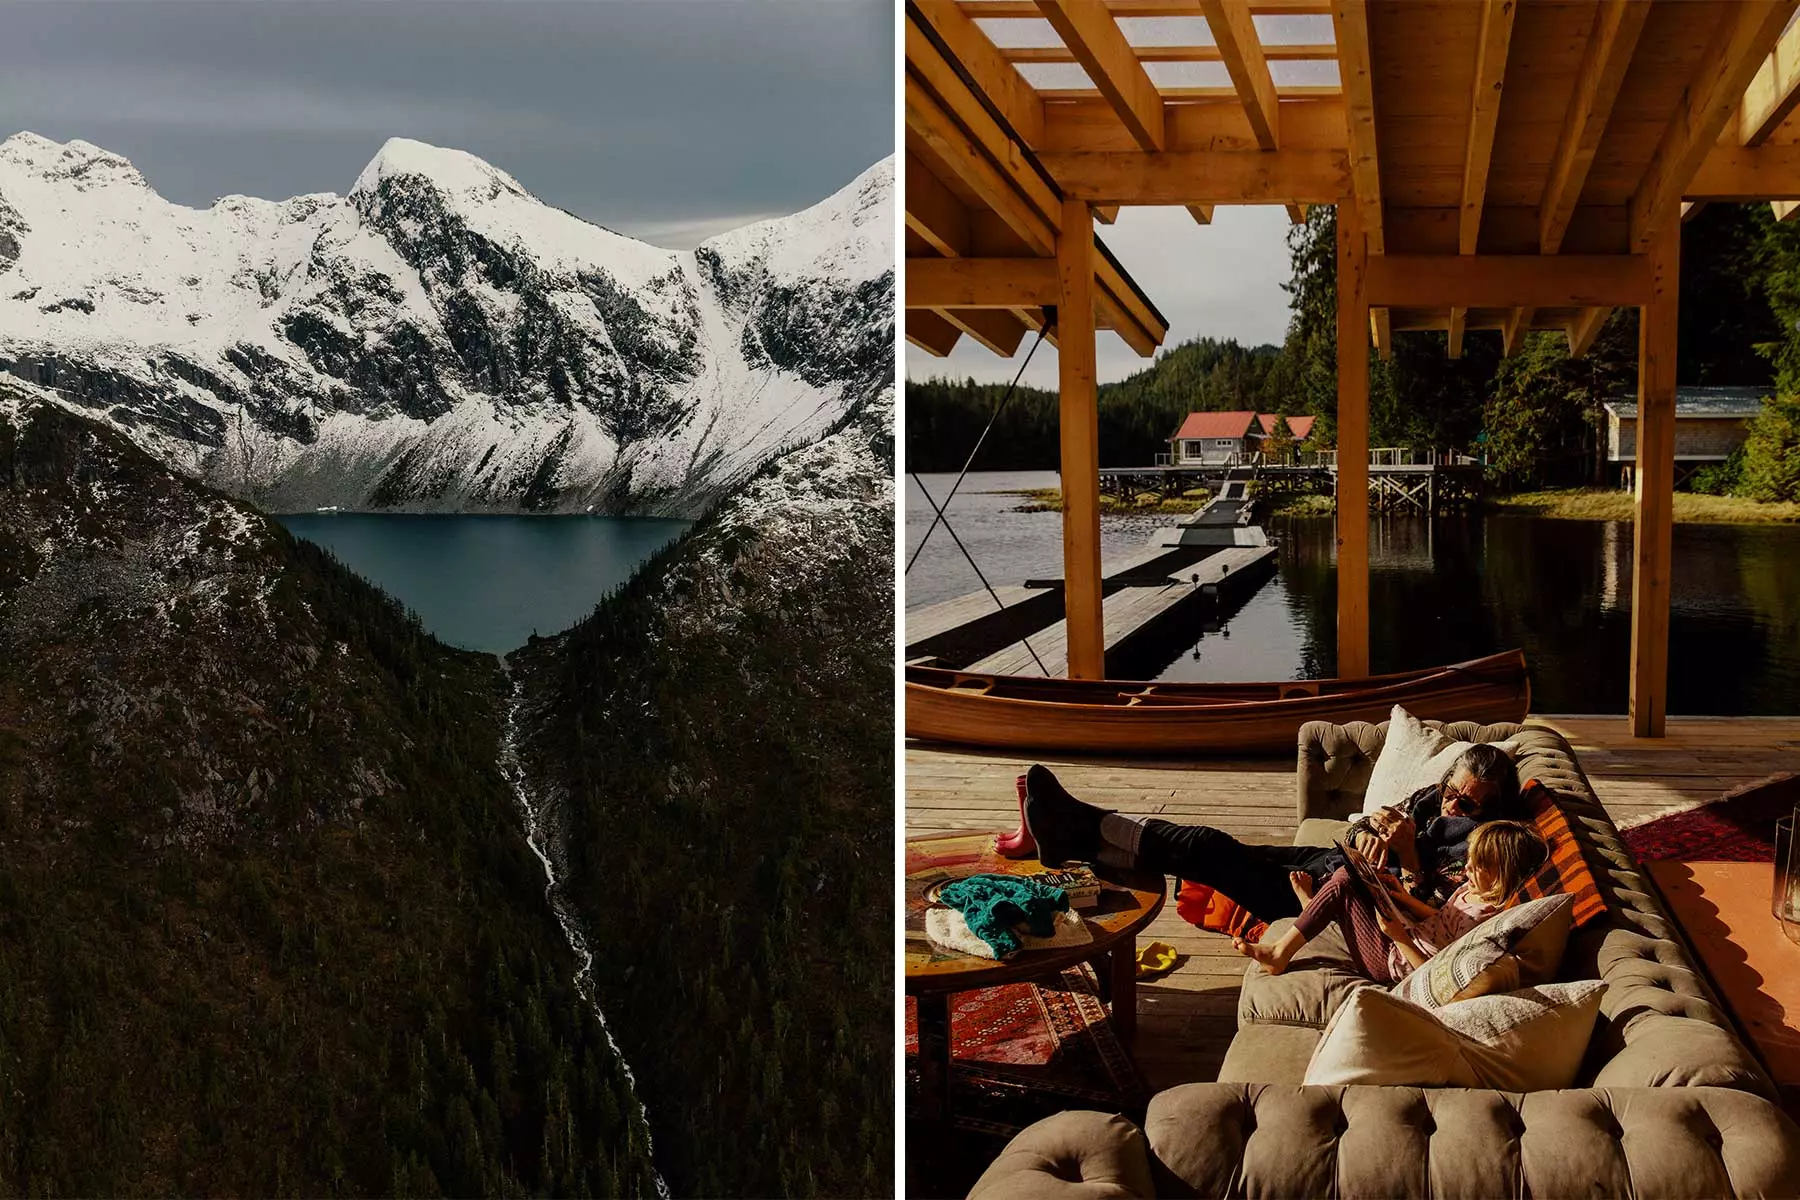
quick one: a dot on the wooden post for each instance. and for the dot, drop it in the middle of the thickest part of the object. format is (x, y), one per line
(1080, 427)
(1655, 476)
(1352, 443)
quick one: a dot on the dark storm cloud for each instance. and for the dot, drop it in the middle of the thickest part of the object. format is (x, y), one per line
(660, 118)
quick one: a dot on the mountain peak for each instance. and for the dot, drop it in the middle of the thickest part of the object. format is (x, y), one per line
(455, 171)
(83, 163)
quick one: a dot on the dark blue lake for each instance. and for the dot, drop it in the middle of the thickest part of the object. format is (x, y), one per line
(490, 582)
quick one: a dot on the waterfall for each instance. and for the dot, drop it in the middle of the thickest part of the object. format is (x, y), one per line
(513, 768)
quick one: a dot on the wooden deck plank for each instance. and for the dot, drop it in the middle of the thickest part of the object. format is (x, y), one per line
(1188, 1017)
(935, 619)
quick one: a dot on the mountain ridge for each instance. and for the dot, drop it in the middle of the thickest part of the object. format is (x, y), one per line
(438, 339)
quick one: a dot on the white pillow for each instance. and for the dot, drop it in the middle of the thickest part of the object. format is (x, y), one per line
(1413, 757)
(1523, 1041)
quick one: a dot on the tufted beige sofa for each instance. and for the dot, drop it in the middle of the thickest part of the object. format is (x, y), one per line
(1671, 1103)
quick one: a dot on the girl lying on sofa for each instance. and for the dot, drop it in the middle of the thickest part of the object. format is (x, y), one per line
(1502, 855)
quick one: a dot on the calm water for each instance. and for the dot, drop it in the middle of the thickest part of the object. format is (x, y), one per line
(490, 582)
(1455, 588)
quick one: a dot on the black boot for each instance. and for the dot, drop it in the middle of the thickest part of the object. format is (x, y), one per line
(1066, 830)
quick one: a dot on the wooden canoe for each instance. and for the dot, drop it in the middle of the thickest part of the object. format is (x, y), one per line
(1097, 716)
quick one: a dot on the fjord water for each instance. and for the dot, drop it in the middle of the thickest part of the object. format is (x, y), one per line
(1443, 591)
(485, 582)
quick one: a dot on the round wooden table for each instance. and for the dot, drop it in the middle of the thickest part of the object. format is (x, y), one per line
(1130, 901)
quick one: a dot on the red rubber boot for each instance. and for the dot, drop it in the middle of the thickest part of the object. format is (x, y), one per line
(1019, 843)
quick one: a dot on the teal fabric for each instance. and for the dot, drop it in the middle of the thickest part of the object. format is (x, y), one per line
(993, 904)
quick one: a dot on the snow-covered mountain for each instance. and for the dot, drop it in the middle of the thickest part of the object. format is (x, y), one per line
(439, 339)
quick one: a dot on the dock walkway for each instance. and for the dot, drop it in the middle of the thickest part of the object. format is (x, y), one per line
(1188, 1017)
(1133, 616)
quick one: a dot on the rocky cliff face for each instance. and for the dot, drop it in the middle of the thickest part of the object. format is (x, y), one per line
(438, 339)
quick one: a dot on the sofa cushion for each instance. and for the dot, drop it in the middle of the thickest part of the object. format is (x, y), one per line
(1413, 756)
(1566, 869)
(1320, 831)
(1071, 1156)
(1524, 1041)
(1269, 1054)
(1316, 981)
(1520, 947)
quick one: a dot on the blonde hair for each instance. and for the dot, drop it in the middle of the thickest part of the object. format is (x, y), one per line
(1508, 853)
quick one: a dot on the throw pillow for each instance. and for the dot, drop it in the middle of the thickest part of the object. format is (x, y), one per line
(1567, 868)
(1413, 756)
(1517, 948)
(1529, 1040)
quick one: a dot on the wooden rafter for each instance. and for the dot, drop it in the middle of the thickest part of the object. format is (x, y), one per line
(1518, 324)
(1484, 114)
(1202, 213)
(1381, 331)
(1585, 328)
(1296, 214)
(1350, 22)
(1012, 9)
(1614, 38)
(1081, 125)
(1106, 214)
(1458, 319)
(1784, 210)
(930, 332)
(1746, 34)
(934, 212)
(962, 153)
(1773, 91)
(1000, 330)
(1746, 173)
(999, 79)
(1241, 50)
(1201, 176)
(1291, 52)
(1098, 44)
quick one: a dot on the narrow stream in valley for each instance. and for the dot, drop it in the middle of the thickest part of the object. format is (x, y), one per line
(513, 768)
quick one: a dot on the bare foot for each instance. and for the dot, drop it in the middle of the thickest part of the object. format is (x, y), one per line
(1302, 883)
(1272, 962)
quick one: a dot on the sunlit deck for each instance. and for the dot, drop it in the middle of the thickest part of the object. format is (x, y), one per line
(1187, 1018)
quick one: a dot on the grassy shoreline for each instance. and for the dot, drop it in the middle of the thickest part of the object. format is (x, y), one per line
(1608, 504)
(1574, 504)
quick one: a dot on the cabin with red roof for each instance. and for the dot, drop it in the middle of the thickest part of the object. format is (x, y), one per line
(1215, 439)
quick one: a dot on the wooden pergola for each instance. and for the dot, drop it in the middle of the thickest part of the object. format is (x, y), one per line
(1496, 164)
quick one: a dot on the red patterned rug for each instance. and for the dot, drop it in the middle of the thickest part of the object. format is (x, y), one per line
(1023, 1051)
(1737, 827)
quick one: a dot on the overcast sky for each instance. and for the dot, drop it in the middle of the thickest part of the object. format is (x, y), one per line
(669, 120)
(1221, 280)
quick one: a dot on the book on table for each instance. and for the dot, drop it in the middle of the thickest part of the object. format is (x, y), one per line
(1082, 885)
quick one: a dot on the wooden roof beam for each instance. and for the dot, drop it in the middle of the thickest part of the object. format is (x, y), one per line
(1132, 304)
(1004, 192)
(1241, 49)
(1100, 47)
(1507, 281)
(1773, 91)
(1585, 328)
(934, 212)
(1017, 101)
(1201, 176)
(1746, 34)
(958, 283)
(930, 332)
(1296, 214)
(1202, 213)
(1350, 23)
(1484, 114)
(1746, 174)
(1381, 331)
(1458, 319)
(1106, 214)
(1617, 24)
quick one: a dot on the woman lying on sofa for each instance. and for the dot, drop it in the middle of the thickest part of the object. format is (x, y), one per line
(1425, 839)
